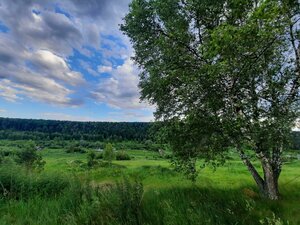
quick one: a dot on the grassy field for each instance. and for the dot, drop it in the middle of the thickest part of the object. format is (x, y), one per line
(148, 191)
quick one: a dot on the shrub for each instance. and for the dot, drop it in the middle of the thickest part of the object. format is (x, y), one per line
(122, 156)
(99, 155)
(108, 153)
(29, 157)
(74, 149)
(91, 159)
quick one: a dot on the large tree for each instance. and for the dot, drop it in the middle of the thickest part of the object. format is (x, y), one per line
(223, 74)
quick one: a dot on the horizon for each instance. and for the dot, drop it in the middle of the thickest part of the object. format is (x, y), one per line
(68, 61)
(76, 121)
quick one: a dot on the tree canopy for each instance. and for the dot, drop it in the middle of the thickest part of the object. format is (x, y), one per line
(15, 129)
(223, 74)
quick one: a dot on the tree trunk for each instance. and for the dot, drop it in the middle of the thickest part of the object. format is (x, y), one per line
(271, 176)
(268, 186)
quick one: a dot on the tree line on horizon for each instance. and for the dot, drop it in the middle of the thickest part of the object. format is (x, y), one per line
(37, 129)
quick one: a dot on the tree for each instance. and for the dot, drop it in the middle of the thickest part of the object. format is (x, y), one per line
(29, 157)
(91, 159)
(108, 153)
(223, 74)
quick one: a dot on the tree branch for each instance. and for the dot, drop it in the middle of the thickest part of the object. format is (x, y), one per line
(258, 179)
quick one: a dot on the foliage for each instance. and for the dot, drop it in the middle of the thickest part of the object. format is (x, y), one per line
(220, 77)
(16, 183)
(29, 157)
(74, 149)
(108, 153)
(122, 155)
(62, 195)
(91, 159)
(30, 129)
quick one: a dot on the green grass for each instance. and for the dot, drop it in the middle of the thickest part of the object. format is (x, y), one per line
(226, 195)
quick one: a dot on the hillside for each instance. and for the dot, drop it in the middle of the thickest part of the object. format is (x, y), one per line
(37, 129)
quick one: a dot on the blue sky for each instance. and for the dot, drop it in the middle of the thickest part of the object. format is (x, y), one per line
(67, 60)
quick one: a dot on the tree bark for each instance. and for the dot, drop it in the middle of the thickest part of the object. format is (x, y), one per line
(268, 185)
(271, 190)
(271, 170)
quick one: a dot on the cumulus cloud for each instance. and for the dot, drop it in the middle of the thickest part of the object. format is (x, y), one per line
(53, 66)
(121, 89)
(42, 37)
(7, 91)
(33, 54)
(104, 69)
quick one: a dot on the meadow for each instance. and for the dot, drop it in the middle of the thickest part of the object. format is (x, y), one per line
(143, 190)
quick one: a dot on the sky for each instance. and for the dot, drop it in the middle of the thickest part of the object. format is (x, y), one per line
(68, 60)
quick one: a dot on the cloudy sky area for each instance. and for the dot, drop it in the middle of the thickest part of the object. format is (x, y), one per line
(67, 60)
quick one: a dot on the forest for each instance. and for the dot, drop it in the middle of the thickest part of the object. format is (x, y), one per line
(34, 129)
(26, 129)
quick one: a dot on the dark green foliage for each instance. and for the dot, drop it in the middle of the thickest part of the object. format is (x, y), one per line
(28, 129)
(99, 155)
(122, 155)
(222, 74)
(91, 159)
(29, 157)
(74, 149)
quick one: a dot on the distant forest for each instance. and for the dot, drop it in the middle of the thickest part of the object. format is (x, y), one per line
(34, 129)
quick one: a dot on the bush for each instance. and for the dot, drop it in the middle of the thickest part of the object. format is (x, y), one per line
(99, 155)
(30, 158)
(74, 149)
(91, 159)
(108, 153)
(122, 156)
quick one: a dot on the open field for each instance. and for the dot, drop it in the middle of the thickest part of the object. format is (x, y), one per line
(226, 195)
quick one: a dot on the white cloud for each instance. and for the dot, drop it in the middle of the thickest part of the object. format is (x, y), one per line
(7, 91)
(104, 69)
(121, 89)
(34, 53)
(53, 66)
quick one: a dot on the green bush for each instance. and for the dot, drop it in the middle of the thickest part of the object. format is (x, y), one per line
(122, 156)
(108, 153)
(99, 155)
(29, 157)
(75, 149)
(91, 159)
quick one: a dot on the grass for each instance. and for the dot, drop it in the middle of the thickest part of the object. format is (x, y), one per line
(227, 195)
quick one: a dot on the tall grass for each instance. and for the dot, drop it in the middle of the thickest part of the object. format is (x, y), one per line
(52, 198)
(55, 199)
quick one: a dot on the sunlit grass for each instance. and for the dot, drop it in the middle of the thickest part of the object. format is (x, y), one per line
(227, 195)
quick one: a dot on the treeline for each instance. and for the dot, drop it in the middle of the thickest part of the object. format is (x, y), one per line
(36, 129)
